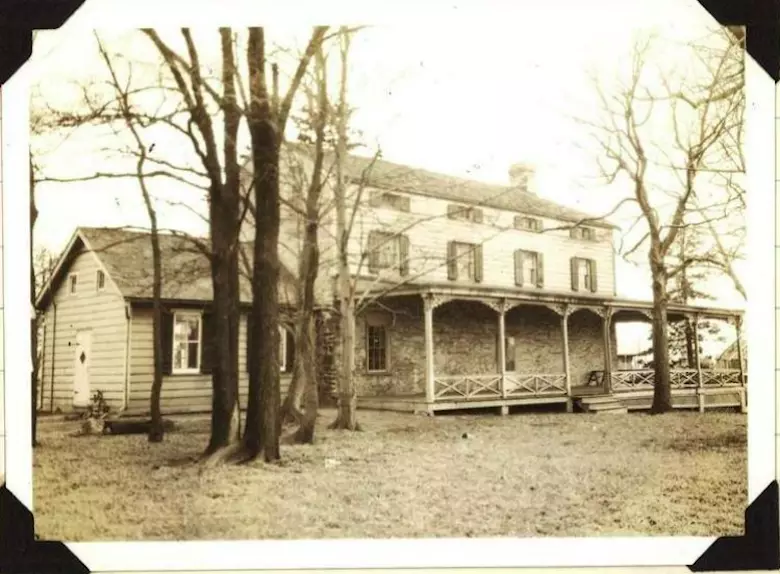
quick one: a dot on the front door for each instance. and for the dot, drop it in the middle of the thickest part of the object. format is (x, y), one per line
(81, 368)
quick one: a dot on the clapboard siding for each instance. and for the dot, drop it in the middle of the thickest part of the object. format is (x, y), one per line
(429, 230)
(102, 312)
(180, 393)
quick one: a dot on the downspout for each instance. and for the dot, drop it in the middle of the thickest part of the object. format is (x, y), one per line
(129, 316)
(53, 355)
(41, 371)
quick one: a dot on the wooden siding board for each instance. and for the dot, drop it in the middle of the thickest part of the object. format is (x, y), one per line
(103, 312)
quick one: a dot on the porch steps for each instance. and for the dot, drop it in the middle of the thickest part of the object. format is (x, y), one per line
(601, 404)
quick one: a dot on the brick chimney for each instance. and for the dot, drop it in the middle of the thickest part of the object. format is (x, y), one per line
(523, 177)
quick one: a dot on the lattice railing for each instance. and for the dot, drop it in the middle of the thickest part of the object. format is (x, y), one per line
(684, 378)
(680, 379)
(721, 378)
(630, 380)
(467, 386)
(534, 384)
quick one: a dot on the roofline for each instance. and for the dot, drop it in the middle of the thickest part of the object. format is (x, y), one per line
(618, 304)
(57, 268)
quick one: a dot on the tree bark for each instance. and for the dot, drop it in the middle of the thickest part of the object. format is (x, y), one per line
(34, 321)
(263, 424)
(156, 430)
(347, 397)
(662, 394)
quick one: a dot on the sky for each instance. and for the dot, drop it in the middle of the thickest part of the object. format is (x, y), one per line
(467, 96)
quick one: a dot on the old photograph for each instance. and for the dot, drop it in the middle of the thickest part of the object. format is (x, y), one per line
(396, 280)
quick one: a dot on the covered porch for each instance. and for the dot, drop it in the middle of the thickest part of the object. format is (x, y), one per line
(546, 349)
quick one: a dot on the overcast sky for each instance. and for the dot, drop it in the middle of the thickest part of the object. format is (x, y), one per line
(467, 97)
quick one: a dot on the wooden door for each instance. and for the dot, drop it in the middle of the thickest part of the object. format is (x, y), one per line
(81, 359)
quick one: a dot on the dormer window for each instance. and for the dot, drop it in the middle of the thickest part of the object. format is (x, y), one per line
(584, 233)
(100, 280)
(464, 213)
(389, 200)
(72, 283)
(528, 223)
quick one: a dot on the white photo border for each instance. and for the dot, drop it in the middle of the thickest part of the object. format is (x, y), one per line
(199, 556)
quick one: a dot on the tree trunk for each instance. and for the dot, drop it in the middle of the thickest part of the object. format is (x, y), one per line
(34, 322)
(662, 393)
(263, 424)
(307, 354)
(291, 412)
(156, 430)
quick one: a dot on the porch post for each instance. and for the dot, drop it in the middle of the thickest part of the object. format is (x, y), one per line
(607, 350)
(699, 377)
(566, 363)
(743, 390)
(429, 374)
(502, 345)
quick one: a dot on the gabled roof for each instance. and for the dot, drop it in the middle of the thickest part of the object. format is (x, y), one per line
(392, 176)
(382, 174)
(126, 256)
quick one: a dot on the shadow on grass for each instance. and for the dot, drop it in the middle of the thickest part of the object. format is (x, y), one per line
(731, 440)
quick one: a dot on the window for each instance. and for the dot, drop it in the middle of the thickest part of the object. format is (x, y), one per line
(529, 269)
(101, 280)
(72, 283)
(388, 251)
(390, 201)
(187, 331)
(464, 261)
(376, 348)
(528, 223)
(464, 213)
(585, 233)
(509, 354)
(283, 349)
(583, 274)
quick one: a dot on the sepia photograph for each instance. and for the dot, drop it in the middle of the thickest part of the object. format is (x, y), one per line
(403, 280)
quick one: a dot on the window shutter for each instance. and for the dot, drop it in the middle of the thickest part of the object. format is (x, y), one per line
(478, 215)
(452, 264)
(207, 343)
(593, 281)
(537, 224)
(403, 255)
(373, 254)
(405, 203)
(518, 267)
(575, 277)
(452, 211)
(290, 348)
(478, 263)
(573, 232)
(167, 342)
(249, 349)
(539, 270)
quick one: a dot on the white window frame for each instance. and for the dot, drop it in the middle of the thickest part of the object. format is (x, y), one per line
(73, 287)
(186, 370)
(98, 274)
(282, 348)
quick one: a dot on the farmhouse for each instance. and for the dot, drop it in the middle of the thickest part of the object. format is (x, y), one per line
(97, 333)
(467, 295)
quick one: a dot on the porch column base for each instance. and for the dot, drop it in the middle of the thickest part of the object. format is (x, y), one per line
(504, 410)
(742, 401)
(569, 405)
(700, 398)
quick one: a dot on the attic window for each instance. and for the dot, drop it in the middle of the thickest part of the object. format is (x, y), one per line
(464, 213)
(72, 282)
(585, 233)
(101, 280)
(390, 201)
(528, 223)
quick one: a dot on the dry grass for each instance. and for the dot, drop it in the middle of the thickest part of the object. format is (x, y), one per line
(406, 476)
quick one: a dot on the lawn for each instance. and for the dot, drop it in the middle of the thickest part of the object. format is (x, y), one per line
(529, 474)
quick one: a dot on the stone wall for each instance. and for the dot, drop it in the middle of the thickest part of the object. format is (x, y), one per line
(465, 335)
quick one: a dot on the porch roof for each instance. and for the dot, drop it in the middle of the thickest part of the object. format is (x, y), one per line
(630, 309)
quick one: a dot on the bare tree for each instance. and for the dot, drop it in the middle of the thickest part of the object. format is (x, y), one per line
(703, 114)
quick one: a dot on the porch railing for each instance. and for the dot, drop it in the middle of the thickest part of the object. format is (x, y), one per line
(489, 386)
(680, 379)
